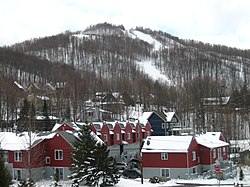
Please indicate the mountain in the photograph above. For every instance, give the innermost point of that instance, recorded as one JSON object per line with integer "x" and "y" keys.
{"x": 160, "y": 70}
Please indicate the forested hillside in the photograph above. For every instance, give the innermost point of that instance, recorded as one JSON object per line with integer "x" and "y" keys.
{"x": 104, "y": 57}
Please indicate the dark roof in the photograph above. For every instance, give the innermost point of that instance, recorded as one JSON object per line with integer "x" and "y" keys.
{"x": 109, "y": 97}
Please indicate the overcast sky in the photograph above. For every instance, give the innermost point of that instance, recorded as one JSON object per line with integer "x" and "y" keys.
{"x": 225, "y": 22}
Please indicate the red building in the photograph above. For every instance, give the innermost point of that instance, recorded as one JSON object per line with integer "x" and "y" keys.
{"x": 170, "y": 156}
{"x": 50, "y": 153}
{"x": 184, "y": 156}
{"x": 213, "y": 149}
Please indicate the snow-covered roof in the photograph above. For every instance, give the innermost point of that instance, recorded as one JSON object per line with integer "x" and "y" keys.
{"x": 18, "y": 85}
{"x": 144, "y": 118}
{"x": 14, "y": 142}
{"x": 242, "y": 144}
{"x": 56, "y": 126}
{"x": 169, "y": 116}
{"x": 215, "y": 101}
{"x": 45, "y": 98}
{"x": 43, "y": 117}
{"x": 167, "y": 144}
{"x": 210, "y": 140}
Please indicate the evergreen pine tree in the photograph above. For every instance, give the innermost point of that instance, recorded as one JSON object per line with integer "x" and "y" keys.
{"x": 241, "y": 177}
{"x": 106, "y": 169}
{"x": 83, "y": 149}
{"x": 46, "y": 116}
{"x": 5, "y": 178}
{"x": 24, "y": 116}
{"x": 91, "y": 161}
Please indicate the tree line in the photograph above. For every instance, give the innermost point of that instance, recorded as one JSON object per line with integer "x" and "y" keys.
{"x": 103, "y": 58}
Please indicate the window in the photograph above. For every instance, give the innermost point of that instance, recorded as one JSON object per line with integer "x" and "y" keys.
{"x": 117, "y": 136}
{"x": 58, "y": 154}
{"x": 219, "y": 153}
{"x": 193, "y": 155}
{"x": 128, "y": 136}
{"x": 214, "y": 153}
{"x": 165, "y": 173}
{"x": 59, "y": 173}
{"x": 164, "y": 156}
{"x": 224, "y": 151}
{"x": 17, "y": 174}
{"x": 6, "y": 156}
{"x": 105, "y": 137}
{"x": 163, "y": 125}
{"x": 18, "y": 156}
{"x": 194, "y": 170}
{"x": 47, "y": 160}
{"x": 90, "y": 114}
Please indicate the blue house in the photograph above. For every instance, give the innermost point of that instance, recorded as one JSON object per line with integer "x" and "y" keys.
{"x": 162, "y": 123}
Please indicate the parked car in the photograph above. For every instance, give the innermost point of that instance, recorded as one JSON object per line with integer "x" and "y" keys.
{"x": 131, "y": 173}
{"x": 121, "y": 165}
{"x": 134, "y": 163}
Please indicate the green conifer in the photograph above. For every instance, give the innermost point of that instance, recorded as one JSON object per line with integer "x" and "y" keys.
{"x": 5, "y": 178}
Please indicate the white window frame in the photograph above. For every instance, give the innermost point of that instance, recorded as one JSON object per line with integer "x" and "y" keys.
{"x": 219, "y": 150}
{"x": 58, "y": 169}
{"x": 58, "y": 154}
{"x": 214, "y": 153}
{"x": 18, "y": 156}
{"x": 165, "y": 171}
{"x": 224, "y": 150}
{"x": 17, "y": 174}
{"x": 117, "y": 136}
{"x": 128, "y": 135}
{"x": 47, "y": 160}
{"x": 164, "y": 156}
{"x": 193, "y": 155}
{"x": 105, "y": 137}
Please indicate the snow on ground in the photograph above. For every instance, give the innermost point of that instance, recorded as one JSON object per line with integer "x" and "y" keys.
{"x": 147, "y": 38}
{"x": 152, "y": 72}
{"x": 174, "y": 182}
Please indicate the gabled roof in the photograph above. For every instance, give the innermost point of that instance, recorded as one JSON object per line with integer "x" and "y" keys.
{"x": 144, "y": 118}
{"x": 109, "y": 98}
{"x": 210, "y": 140}
{"x": 169, "y": 144}
{"x": 72, "y": 125}
{"x": 169, "y": 116}
{"x": 16, "y": 141}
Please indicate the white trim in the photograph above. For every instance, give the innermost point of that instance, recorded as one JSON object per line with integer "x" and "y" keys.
{"x": 60, "y": 155}
{"x": 62, "y": 172}
{"x": 47, "y": 160}
{"x": 165, "y": 169}
{"x": 18, "y": 156}
{"x": 164, "y": 156}
{"x": 15, "y": 177}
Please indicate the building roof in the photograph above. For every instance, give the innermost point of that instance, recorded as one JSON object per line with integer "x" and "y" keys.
{"x": 16, "y": 141}
{"x": 210, "y": 140}
{"x": 167, "y": 144}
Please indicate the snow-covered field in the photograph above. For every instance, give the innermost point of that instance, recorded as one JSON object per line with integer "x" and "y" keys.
{"x": 174, "y": 182}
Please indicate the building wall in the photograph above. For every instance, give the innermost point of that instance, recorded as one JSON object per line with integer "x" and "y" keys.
{"x": 175, "y": 160}
{"x": 182, "y": 173}
{"x": 58, "y": 143}
{"x": 117, "y": 130}
{"x": 156, "y": 124}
